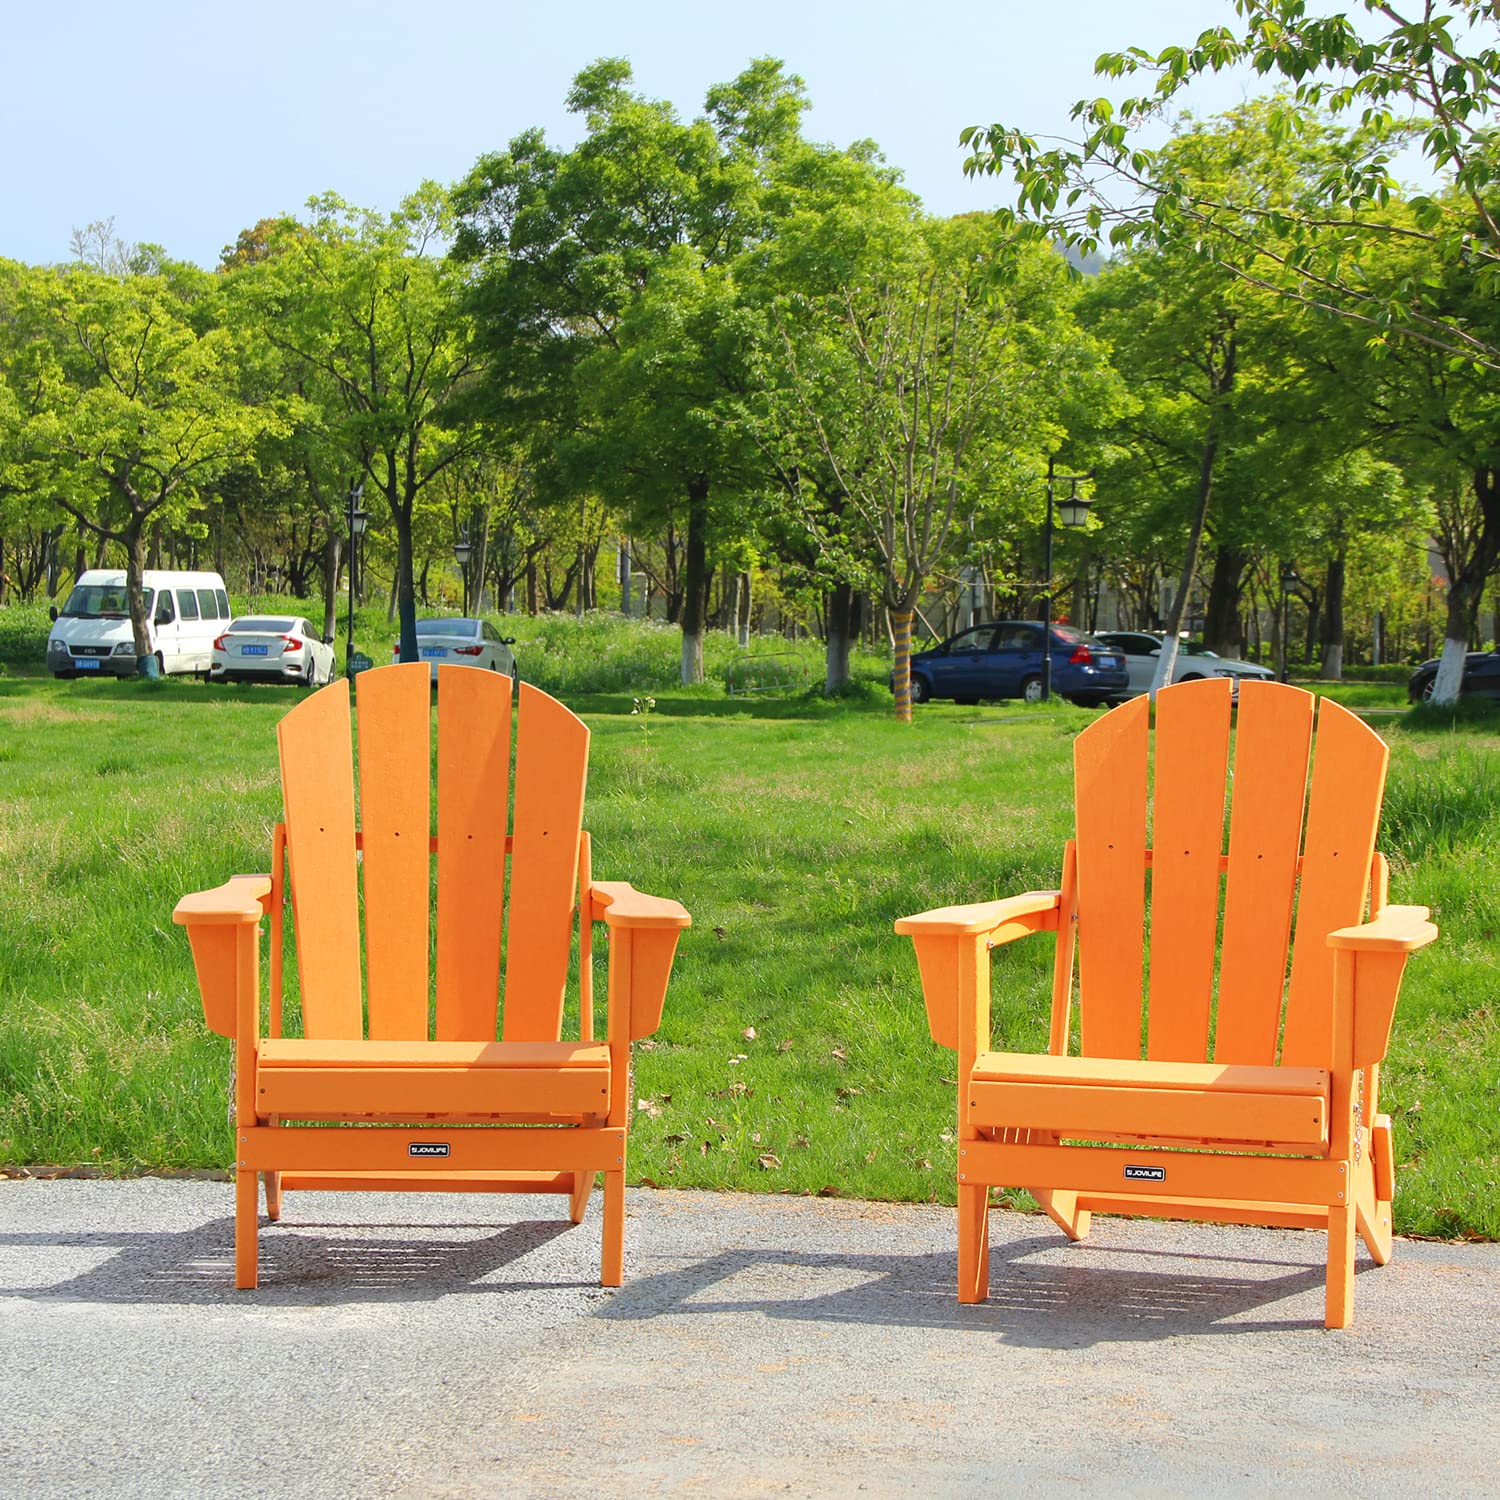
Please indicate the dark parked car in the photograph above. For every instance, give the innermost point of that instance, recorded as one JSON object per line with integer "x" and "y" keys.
{"x": 1004, "y": 660}
{"x": 1481, "y": 678}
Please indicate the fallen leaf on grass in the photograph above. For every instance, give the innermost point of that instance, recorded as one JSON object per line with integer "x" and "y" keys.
{"x": 749, "y": 1033}
{"x": 828, "y": 1192}
{"x": 785, "y": 1046}
{"x": 846, "y": 1093}
{"x": 675, "y": 1139}
{"x": 838, "y": 1055}
{"x": 769, "y": 1161}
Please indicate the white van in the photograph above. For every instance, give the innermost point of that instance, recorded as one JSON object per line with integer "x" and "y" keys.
{"x": 91, "y": 633}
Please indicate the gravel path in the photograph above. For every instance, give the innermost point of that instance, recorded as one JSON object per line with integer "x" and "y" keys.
{"x": 419, "y": 1345}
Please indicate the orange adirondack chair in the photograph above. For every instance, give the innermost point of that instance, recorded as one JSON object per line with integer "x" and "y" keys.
{"x": 1242, "y": 1110}
{"x": 460, "y": 1111}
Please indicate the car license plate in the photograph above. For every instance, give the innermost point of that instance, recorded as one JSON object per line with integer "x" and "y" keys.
{"x": 434, "y": 650}
{"x": 87, "y": 663}
{"x": 253, "y": 650}
{"x": 1109, "y": 661}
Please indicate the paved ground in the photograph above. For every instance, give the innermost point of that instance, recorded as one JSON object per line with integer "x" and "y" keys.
{"x": 762, "y": 1346}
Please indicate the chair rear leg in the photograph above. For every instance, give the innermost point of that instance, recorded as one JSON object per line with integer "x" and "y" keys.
{"x": 1372, "y": 1214}
{"x": 273, "y": 1195}
{"x": 613, "y": 1270}
{"x": 1062, "y": 1208}
{"x": 246, "y": 1228}
{"x": 973, "y": 1242}
{"x": 578, "y": 1199}
{"x": 1339, "y": 1307}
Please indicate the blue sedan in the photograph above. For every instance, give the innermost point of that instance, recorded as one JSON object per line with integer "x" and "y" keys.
{"x": 1004, "y": 660}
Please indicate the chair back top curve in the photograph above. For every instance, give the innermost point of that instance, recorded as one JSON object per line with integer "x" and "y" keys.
{"x": 389, "y": 857}
{"x": 1296, "y": 845}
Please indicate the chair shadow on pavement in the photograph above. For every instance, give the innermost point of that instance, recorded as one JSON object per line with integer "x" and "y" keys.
{"x": 1039, "y": 1303}
{"x": 301, "y": 1263}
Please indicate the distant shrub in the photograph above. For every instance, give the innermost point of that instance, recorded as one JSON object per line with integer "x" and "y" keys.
{"x": 23, "y": 633}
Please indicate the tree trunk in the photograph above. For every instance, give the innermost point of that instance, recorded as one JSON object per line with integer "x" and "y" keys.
{"x": 1314, "y": 603}
{"x": 743, "y": 622}
{"x": 1333, "y": 621}
{"x": 406, "y": 592}
{"x": 1166, "y": 663}
{"x": 900, "y": 624}
{"x": 135, "y": 566}
{"x": 1467, "y": 587}
{"x": 331, "y": 583}
{"x": 1221, "y": 624}
{"x": 531, "y": 588}
{"x": 840, "y": 620}
{"x": 695, "y": 590}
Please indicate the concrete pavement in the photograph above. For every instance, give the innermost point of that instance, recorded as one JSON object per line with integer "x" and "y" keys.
{"x": 414, "y": 1345}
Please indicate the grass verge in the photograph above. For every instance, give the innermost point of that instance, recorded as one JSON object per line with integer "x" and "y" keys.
{"x": 794, "y": 1053}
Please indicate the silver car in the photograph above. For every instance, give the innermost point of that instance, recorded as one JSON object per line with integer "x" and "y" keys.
{"x": 462, "y": 643}
{"x": 1194, "y": 660}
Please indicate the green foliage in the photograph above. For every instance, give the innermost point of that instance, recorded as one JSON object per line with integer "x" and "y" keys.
{"x": 1418, "y": 77}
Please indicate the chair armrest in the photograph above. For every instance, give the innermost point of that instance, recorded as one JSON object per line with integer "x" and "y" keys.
{"x": 1398, "y": 929}
{"x": 616, "y": 903}
{"x": 242, "y": 898}
{"x": 951, "y": 945}
{"x": 643, "y": 932}
{"x": 1001, "y": 921}
{"x": 1376, "y": 952}
{"x": 223, "y": 926}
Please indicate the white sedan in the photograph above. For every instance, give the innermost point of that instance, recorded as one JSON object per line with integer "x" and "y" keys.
{"x": 1194, "y": 660}
{"x": 462, "y": 643}
{"x": 272, "y": 648}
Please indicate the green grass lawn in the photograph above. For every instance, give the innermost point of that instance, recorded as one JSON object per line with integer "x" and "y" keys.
{"x": 794, "y": 1053}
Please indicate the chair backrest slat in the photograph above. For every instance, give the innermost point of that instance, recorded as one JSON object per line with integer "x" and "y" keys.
{"x": 474, "y": 715}
{"x": 1343, "y": 811}
{"x": 1187, "y": 839}
{"x": 317, "y": 781}
{"x": 395, "y": 769}
{"x": 1273, "y": 733}
{"x": 1109, "y": 765}
{"x": 551, "y": 769}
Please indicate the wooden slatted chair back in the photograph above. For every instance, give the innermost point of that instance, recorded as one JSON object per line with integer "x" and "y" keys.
{"x": 1294, "y": 846}
{"x": 392, "y": 853}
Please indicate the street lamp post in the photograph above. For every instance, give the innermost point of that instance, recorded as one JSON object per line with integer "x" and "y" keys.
{"x": 1073, "y": 510}
{"x": 358, "y": 520}
{"x": 1289, "y": 581}
{"x": 462, "y": 550}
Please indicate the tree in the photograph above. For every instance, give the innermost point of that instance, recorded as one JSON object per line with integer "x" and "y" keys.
{"x": 358, "y": 302}
{"x": 605, "y": 299}
{"x": 140, "y": 410}
{"x": 1416, "y": 74}
{"x": 917, "y": 399}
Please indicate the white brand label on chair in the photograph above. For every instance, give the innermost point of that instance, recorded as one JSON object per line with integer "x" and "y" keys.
{"x": 1132, "y": 1174}
{"x": 428, "y": 1148}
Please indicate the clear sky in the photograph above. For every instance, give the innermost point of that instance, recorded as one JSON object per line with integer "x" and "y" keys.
{"x": 187, "y": 120}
